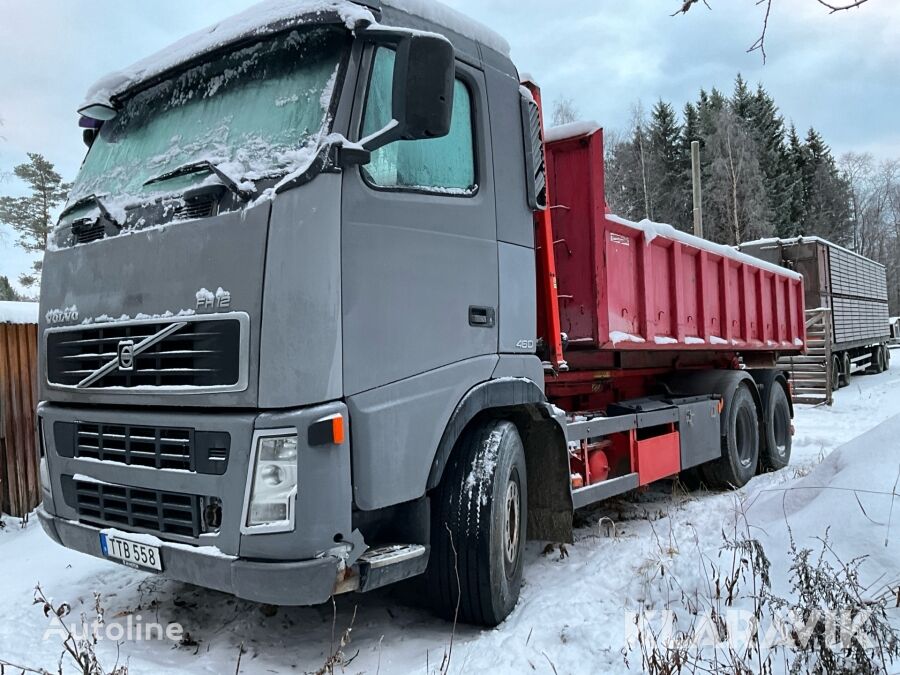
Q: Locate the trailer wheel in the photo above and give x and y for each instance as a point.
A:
(874, 363)
(876, 367)
(777, 451)
(740, 445)
(835, 373)
(478, 521)
(846, 365)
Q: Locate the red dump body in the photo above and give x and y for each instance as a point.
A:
(647, 287)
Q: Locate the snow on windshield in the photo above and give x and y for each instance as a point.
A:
(254, 112)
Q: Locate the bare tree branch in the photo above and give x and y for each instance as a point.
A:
(841, 8)
(688, 4)
(760, 44)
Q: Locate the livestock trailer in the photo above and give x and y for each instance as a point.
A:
(852, 286)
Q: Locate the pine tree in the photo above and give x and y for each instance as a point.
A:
(669, 193)
(774, 162)
(742, 100)
(32, 217)
(826, 193)
(796, 161)
(7, 292)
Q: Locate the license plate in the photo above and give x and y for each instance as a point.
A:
(132, 553)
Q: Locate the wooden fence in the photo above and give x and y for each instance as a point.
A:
(811, 373)
(20, 489)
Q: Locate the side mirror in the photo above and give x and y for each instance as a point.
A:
(424, 79)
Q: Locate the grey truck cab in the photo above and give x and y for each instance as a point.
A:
(288, 314)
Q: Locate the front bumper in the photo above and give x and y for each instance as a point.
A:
(295, 567)
(300, 583)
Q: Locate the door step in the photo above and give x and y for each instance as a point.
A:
(388, 564)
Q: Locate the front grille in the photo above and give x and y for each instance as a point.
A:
(197, 353)
(196, 207)
(137, 446)
(137, 508)
(169, 448)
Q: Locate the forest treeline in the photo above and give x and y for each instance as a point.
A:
(762, 177)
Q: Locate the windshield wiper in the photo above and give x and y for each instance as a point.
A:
(91, 199)
(205, 165)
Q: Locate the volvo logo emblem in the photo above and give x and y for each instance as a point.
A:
(126, 355)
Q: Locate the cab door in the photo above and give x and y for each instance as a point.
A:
(419, 240)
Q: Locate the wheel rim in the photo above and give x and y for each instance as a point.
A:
(511, 521)
(743, 436)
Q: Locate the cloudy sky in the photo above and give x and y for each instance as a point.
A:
(838, 73)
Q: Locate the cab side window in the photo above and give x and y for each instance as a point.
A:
(440, 165)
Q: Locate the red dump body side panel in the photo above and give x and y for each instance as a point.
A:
(626, 286)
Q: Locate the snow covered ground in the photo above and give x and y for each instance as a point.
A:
(573, 616)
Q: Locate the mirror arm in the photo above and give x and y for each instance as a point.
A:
(351, 156)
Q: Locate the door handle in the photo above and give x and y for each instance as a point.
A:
(482, 317)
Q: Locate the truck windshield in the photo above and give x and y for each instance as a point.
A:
(255, 112)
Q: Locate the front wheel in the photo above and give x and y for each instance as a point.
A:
(478, 531)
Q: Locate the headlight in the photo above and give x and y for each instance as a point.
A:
(274, 483)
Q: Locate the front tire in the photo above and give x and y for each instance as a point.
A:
(480, 510)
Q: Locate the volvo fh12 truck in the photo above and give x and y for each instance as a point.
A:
(327, 310)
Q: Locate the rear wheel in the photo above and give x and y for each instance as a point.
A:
(876, 365)
(846, 376)
(776, 453)
(478, 527)
(835, 373)
(740, 445)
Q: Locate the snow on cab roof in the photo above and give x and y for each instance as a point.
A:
(449, 18)
(269, 16)
(18, 312)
